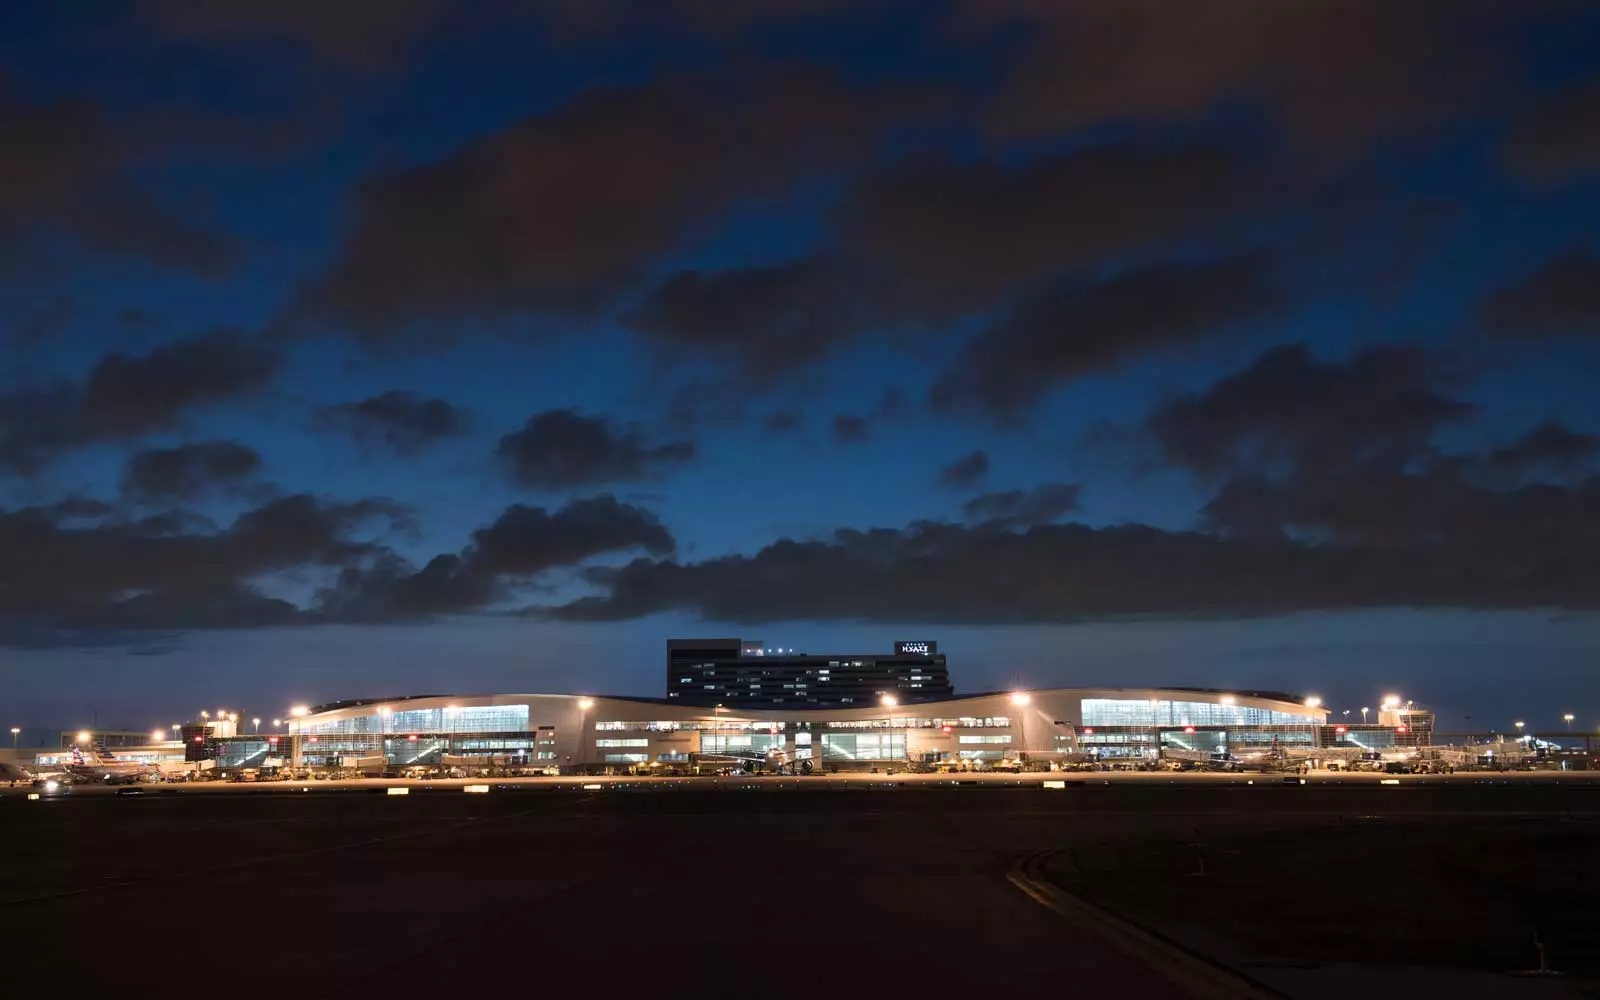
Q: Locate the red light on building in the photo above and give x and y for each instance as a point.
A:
(1338, 729)
(412, 737)
(312, 740)
(945, 728)
(272, 739)
(1399, 729)
(1188, 729)
(199, 739)
(1088, 730)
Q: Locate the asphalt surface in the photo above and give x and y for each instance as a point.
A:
(782, 888)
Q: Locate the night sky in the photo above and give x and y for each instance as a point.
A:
(375, 348)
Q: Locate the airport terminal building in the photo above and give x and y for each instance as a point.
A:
(732, 703)
(577, 732)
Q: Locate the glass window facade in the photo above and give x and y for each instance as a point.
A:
(728, 743)
(626, 758)
(468, 719)
(1142, 712)
(621, 743)
(863, 746)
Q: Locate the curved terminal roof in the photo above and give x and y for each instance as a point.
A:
(1061, 703)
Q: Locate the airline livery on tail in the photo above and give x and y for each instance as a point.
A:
(98, 764)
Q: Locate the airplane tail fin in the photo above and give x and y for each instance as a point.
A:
(96, 754)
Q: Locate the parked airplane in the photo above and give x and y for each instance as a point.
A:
(99, 764)
(13, 774)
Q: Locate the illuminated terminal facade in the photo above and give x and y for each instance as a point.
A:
(578, 732)
(736, 704)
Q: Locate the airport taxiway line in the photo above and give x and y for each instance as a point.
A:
(1201, 976)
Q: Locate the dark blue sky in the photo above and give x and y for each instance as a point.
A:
(385, 347)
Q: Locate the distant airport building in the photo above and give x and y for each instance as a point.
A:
(743, 673)
(887, 722)
(575, 732)
(137, 746)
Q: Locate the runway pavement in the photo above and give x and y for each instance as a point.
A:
(862, 780)
(820, 886)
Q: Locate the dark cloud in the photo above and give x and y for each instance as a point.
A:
(127, 396)
(74, 508)
(188, 471)
(1078, 327)
(1341, 454)
(158, 573)
(1422, 63)
(951, 238)
(36, 424)
(1009, 509)
(365, 33)
(770, 319)
(1069, 572)
(1550, 448)
(849, 428)
(1333, 496)
(402, 421)
(1560, 299)
(1289, 411)
(968, 470)
(525, 541)
(1547, 534)
(1560, 139)
(563, 210)
(693, 18)
(560, 449)
(68, 176)
(520, 544)
(924, 242)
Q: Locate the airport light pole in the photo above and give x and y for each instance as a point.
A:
(1567, 718)
(15, 732)
(255, 727)
(1364, 711)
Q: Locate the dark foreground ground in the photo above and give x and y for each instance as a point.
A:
(1307, 890)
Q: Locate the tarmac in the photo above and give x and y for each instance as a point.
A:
(837, 884)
